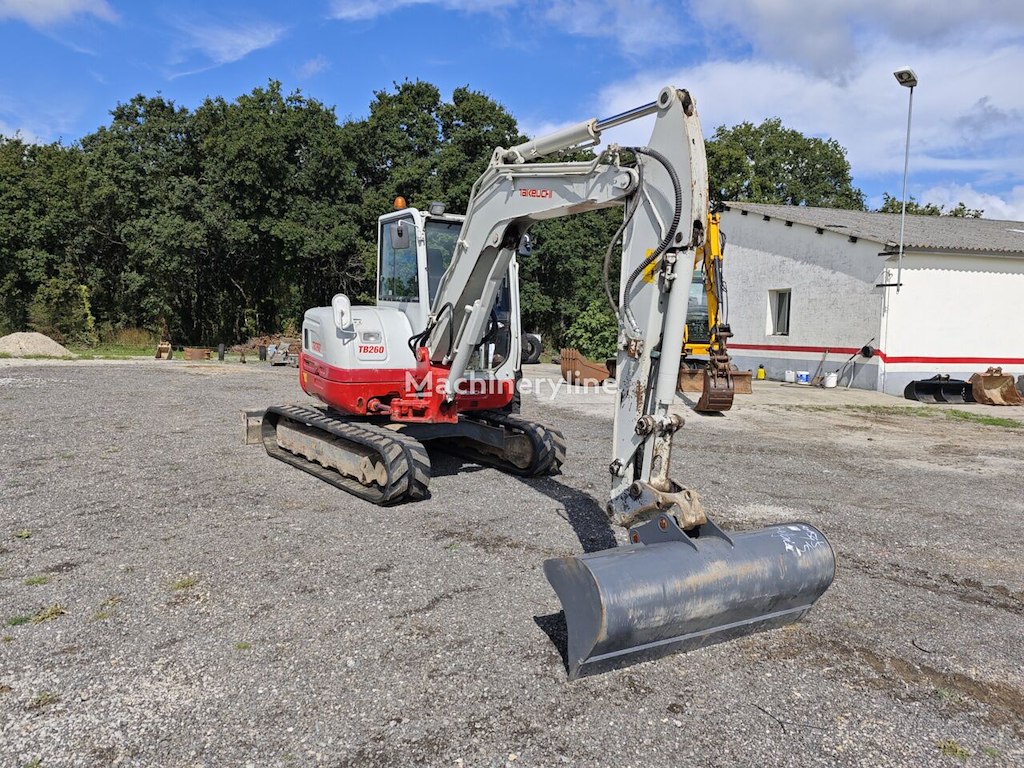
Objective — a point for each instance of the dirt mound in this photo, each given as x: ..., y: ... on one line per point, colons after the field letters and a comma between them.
x: 30, y: 344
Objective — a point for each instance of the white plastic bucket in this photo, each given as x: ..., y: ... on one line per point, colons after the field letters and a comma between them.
x: 789, y: 377
x: 831, y: 379
x: 803, y: 377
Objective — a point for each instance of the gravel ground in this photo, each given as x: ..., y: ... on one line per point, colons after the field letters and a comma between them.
x: 172, y: 597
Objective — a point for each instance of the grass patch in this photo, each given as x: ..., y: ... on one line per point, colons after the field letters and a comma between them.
x: 893, y: 410
x: 950, y: 748
x: 17, y: 621
x: 106, y: 610
x: 49, y: 614
x: 23, y: 534
x: 5, y: 355
x: 991, y: 421
x: 7, y: 639
x: 186, y: 582
x: 991, y: 752
x: 241, y: 645
x: 44, y: 699
x: 33, y: 581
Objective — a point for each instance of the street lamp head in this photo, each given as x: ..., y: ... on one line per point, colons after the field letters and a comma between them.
x: 906, y: 77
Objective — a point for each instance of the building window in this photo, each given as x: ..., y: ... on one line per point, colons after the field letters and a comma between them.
x: 778, y: 312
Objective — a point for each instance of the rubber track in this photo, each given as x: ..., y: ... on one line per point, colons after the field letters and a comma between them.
x: 549, y: 445
x: 406, y: 460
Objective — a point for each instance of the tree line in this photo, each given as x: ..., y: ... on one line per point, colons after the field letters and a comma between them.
x: 229, y: 220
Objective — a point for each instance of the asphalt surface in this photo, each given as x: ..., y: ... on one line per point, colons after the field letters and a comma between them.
x: 172, y: 597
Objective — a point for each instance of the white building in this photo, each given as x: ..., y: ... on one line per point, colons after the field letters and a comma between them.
x: 803, y: 282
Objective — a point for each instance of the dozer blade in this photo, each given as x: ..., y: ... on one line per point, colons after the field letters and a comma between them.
x: 993, y: 387
x: 716, y: 395
x: 642, y: 601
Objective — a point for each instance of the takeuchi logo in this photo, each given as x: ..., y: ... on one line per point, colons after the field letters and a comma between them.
x: 535, y: 192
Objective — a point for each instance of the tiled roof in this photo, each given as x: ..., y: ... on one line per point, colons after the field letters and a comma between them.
x: 944, y: 233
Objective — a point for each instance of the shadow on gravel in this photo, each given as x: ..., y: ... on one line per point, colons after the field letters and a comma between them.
x: 588, y: 520
x: 692, y: 403
x: 553, y: 625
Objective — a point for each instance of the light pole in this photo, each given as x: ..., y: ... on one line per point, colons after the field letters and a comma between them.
x: 907, y: 79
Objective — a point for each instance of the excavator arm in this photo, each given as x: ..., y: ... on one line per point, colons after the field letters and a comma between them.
x: 717, y: 390
x: 682, y: 581
x: 665, y: 195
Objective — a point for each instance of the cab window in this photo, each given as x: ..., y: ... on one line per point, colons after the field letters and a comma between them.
x: 398, y: 273
x: 441, y: 239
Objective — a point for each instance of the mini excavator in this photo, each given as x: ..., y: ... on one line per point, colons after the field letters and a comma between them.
x: 437, y: 360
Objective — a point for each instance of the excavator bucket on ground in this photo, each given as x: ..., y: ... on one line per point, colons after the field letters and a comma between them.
x: 674, y: 591
x: 716, y: 394
x: 993, y: 387
x: 577, y: 368
x: 938, y: 389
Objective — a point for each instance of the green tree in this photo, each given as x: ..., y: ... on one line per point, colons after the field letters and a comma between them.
x: 891, y: 204
x: 594, y: 332
x: 42, y: 189
x: 769, y: 163
x: 60, y: 309
x: 415, y: 145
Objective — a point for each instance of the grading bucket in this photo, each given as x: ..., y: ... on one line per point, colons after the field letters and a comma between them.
x: 641, y: 601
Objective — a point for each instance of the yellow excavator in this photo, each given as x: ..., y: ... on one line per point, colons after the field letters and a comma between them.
x: 705, y: 353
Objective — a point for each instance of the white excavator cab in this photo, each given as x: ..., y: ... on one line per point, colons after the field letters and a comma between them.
x: 414, y: 249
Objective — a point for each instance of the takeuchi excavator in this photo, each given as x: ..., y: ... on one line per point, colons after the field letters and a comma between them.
x: 437, y: 359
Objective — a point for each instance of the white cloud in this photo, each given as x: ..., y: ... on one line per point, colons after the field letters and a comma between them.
x: 1009, y: 206
x: 365, y: 10
x: 966, y: 117
x: 12, y: 131
x: 46, y: 13
x: 223, y: 44
x: 637, y: 26
x: 313, y: 67
x: 833, y: 37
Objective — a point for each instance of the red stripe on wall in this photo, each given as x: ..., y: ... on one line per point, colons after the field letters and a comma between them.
x: 787, y: 348
x: 887, y: 358
x: 952, y: 360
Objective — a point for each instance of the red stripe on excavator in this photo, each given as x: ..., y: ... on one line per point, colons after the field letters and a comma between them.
x: 400, y: 393
x: 882, y: 355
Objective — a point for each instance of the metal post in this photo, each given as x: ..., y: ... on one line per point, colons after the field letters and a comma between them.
x: 903, y: 209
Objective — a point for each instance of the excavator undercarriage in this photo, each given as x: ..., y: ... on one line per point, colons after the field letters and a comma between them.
x: 387, y: 463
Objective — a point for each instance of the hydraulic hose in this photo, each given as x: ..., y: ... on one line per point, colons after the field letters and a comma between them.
x: 630, y: 210
x: 666, y: 240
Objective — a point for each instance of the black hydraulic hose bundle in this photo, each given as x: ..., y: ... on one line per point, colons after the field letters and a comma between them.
x: 662, y: 246
x: 420, y: 339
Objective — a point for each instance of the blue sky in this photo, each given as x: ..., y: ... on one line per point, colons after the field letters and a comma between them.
x: 825, y: 68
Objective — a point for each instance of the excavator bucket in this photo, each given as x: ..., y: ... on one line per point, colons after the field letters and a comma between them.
x: 642, y: 601
x: 577, y: 368
x: 993, y: 387
x: 716, y: 395
x: 937, y: 389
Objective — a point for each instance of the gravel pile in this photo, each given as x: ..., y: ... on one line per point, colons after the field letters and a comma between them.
x: 32, y: 344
